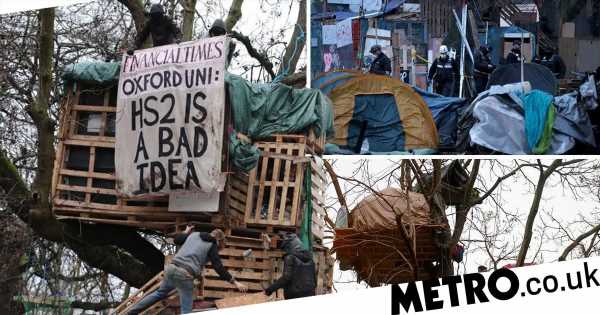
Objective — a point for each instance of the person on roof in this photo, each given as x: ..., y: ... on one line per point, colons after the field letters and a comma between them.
x: 197, y: 248
x: 514, y: 56
x: 382, y: 64
x: 161, y: 27
x: 443, y: 72
x: 218, y: 29
x: 299, y: 278
x: 483, y: 67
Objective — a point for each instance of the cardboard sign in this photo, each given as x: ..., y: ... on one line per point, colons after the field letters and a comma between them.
x: 344, y: 33
x: 329, y: 34
x: 170, y: 118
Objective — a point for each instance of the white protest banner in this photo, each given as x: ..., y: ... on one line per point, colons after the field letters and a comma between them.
x: 344, y: 33
x: 329, y: 34
x: 170, y: 118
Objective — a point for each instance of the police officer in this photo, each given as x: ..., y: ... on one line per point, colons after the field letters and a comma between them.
x: 443, y: 72
x: 514, y: 56
x: 483, y: 67
x: 161, y: 27
x: 381, y: 64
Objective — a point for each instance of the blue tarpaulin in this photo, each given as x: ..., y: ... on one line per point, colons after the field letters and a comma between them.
x: 445, y: 111
x: 384, y: 131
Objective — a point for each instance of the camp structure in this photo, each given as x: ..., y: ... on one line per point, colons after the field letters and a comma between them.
x: 275, y: 182
x: 379, y: 110
x: 391, y: 238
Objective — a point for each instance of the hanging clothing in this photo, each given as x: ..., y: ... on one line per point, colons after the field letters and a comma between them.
x: 536, y: 104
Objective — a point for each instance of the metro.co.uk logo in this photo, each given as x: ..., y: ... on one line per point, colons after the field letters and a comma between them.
x: 502, y: 284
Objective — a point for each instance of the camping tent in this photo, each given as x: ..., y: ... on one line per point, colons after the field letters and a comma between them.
x: 393, y: 116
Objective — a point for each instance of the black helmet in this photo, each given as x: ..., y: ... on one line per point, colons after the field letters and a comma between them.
x: 157, y: 9
x: 218, y: 28
x: 375, y: 48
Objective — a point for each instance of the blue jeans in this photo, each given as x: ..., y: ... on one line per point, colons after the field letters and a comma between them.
x: 175, y: 278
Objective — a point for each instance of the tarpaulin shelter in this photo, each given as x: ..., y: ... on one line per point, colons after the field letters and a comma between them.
x: 376, y: 249
x: 258, y: 110
x: 392, y: 115
x: 445, y: 111
x: 484, y: 122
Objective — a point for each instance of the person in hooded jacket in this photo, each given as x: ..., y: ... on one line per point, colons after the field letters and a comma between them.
x: 483, y: 67
x: 197, y: 248
x: 299, y: 278
x: 161, y: 27
x: 382, y: 64
x: 218, y: 29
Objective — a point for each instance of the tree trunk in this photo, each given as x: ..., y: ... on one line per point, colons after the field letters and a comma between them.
x: 533, y: 210
x: 136, y: 8
x: 234, y: 15
x: 296, y: 43
x: 187, y: 28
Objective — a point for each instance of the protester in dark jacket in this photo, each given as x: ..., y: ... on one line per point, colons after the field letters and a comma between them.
x: 196, y: 250
x: 483, y: 68
x: 382, y: 64
x: 299, y: 276
x: 443, y: 72
x: 514, y: 56
x: 161, y: 27
x: 218, y: 29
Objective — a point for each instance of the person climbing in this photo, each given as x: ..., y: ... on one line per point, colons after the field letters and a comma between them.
x: 382, y: 64
x: 442, y: 73
x: 197, y: 248
x: 299, y: 278
x: 483, y: 67
x: 161, y: 27
x: 218, y: 29
x: 514, y: 56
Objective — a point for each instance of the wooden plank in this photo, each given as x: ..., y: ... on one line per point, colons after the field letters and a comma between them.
x: 274, y: 184
x: 93, y: 190
x: 247, y: 299
x: 88, y: 143
x: 94, y: 139
x: 69, y: 172
x: 210, y: 283
x: 94, y: 108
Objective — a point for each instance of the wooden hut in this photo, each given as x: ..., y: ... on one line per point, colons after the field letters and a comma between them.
x: 270, y: 198
x: 391, y: 238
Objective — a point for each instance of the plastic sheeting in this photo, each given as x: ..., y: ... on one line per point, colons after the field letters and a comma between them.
x: 261, y: 110
x: 498, y: 123
x: 379, y: 211
x: 93, y: 73
x: 445, y: 111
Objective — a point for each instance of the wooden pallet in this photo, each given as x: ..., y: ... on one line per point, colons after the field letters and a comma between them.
x: 275, y: 195
x: 84, y: 180
x: 252, y: 261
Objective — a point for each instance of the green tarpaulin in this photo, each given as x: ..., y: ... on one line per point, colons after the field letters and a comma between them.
x: 258, y: 110
x: 93, y: 73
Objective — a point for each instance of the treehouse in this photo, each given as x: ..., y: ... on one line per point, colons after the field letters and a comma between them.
x: 391, y: 238
x: 275, y: 180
